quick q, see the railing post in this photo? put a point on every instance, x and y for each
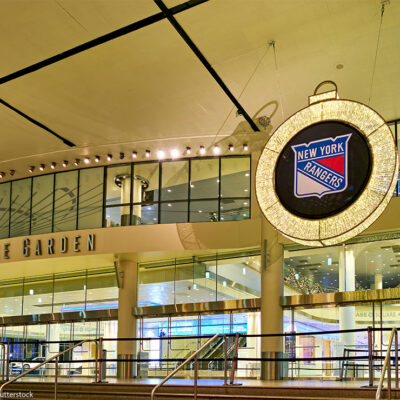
(100, 359)
(55, 380)
(8, 361)
(97, 357)
(370, 358)
(234, 358)
(396, 357)
(225, 361)
(195, 377)
(342, 368)
(390, 373)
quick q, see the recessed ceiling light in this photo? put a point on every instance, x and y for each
(134, 154)
(231, 148)
(65, 163)
(245, 147)
(147, 153)
(216, 149)
(77, 161)
(109, 157)
(96, 158)
(86, 160)
(188, 150)
(31, 169)
(174, 153)
(53, 165)
(202, 150)
(42, 166)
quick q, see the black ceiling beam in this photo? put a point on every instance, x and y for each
(37, 123)
(100, 40)
(169, 15)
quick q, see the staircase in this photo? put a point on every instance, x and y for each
(120, 391)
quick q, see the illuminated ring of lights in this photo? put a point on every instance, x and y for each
(372, 201)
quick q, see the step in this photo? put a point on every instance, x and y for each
(120, 391)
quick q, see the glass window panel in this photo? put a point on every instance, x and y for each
(118, 185)
(145, 183)
(10, 299)
(4, 209)
(235, 177)
(90, 212)
(69, 292)
(145, 214)
(38, 296)
(235, 209)
(20, 207)
(174, 212)
(311, 271)
(204, 211)
(174, 184)
(204, 181)
(42, 204)
(65, 202)
(102, 290)
(239, 278)
(117, 216)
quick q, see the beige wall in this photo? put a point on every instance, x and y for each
(126, 242)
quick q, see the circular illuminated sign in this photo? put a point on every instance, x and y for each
(327, 172)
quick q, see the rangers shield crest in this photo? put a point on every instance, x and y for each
(320, 166)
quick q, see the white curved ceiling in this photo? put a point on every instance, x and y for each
(149, 85)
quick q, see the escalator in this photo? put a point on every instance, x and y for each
(216, 350)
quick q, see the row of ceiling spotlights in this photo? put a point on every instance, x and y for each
(160, 154)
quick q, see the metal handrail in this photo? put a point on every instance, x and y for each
(182, 365)
(55, 357)
(385, 366)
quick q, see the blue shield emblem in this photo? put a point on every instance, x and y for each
(320, 166)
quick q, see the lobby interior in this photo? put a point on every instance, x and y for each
(129, 221)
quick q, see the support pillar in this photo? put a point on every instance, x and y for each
(137, 198)
(271, 310)
(127, 299)
(347, 315)
(378, 281)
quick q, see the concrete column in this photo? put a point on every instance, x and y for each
(137, 198)
(52, 334)
(127, 299)
(347, 315)
(378, 281)
(271, 291)
(125, 198)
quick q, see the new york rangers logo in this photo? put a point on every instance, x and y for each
(320, 167)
